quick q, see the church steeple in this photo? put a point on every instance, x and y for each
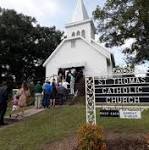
(80, 13)
(81, 24)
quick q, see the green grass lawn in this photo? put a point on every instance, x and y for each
(54, 124)
(126, 125)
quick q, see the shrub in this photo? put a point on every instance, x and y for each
(91, 137)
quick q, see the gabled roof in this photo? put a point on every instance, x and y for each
(103, 52)
(103, 49)
(80, 12)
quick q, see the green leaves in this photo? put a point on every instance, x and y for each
(24, 45)
(120, 20)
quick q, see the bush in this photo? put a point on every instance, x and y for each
(91, 137)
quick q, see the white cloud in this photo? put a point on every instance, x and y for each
(128, 43)
(119, 56)
(49, 12)
(40, 9)
(117, 51)
(141, 70)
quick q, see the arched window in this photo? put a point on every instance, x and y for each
(78, 33)
(73, 34)
(83, 33)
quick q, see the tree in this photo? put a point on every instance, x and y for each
(24, 45)
(120, 20)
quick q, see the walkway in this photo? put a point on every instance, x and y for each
(27, 113)
(31, 112)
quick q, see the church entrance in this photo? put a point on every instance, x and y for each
(74, 76)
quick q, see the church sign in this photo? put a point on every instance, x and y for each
(119, 90)
(124, 90)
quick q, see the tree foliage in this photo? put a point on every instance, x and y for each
(120, 20)
(147, 74)
(24, 45)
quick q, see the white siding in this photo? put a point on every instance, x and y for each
(96, 64)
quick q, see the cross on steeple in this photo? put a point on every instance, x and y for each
(80, 13)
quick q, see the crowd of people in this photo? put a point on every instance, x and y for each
(45, 94)
(72, 77)
(44, 97)
(53, 91)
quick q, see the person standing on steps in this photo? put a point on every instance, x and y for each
(61, 91)
(68, 77)
(3, 101)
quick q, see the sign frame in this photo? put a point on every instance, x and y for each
(91, 103)
(90, 100)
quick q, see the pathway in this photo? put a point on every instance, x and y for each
(27, 113)
(32, 111)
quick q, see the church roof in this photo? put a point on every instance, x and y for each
(80, 12)
(101, 51)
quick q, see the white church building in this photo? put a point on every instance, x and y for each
(80, 49)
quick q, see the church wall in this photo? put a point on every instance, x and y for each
(109, 70)
(92, 33)
(102, 50)
(95, 62)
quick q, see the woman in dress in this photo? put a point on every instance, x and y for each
(24, 93)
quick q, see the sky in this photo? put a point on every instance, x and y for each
(49, 12)
(58, 13)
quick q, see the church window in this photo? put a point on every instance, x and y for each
(73, 43)
(73, 34)
(108, 62)
(78, 33)
(83, 33)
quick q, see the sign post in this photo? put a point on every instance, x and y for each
(90, 100)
